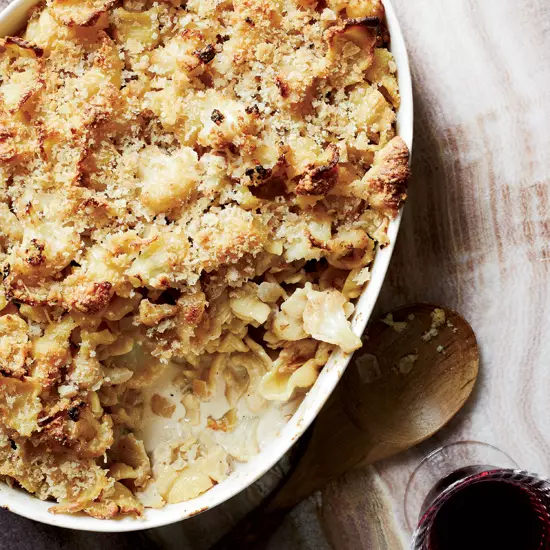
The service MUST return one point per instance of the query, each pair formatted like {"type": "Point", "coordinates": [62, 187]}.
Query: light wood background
{"type": "Point", "coordinates": [476, 233]}
{"type": "Point", "coordinates": [475, 237]}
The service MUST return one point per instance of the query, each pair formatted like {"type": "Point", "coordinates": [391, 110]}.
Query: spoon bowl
{"type": "Point", "coordinates": [417, 368]}
{"type": "Point", "coordinates": [410, 378]}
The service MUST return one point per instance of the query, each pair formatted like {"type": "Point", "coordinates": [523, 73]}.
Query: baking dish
{"type": "Point", "coordinates": [14, 18]}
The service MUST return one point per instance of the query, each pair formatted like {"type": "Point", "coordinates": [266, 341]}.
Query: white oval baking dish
{"type": "Point", "coordinates": [12, 19]}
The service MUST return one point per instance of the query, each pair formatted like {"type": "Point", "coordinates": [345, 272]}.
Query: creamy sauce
{"type": "Point", "coordinates": [253, 431]}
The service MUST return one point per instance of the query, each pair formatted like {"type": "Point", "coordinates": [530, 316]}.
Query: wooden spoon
{"type": "Point", "coordinates": [410, 378]}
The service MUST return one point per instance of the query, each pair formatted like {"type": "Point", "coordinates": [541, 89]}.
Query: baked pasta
{"type": "Point", "coordinates": [191, 198]}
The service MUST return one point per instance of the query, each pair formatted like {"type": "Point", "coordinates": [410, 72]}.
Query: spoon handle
{"type": "Point", "coordinates": [314, 468]}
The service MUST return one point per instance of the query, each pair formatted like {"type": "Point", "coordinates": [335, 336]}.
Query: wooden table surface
{"type": "Point", "coordinates": [475, 237]}
{"type": "Point", "coordinates": [476, 233]}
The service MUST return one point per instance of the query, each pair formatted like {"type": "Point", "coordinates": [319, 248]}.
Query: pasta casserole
{"type": "Point", "coordinates": [192, 194]}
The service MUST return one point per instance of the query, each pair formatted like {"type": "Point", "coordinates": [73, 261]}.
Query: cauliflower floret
{"type": "Point", "coordinates": [363, 8]}
{"type": "Point", "coordinates": [161, 260]}
{"type": "Point", "coordinates": [325, 318]}
{"type": "Point", "coordinates": [224, 121]}
{"type": "Point", "coordinates": [167, 180]}
{"type": "Point", "coordinates": [21, 69]}
{"type": "Point", "coordinates": [371, 112]}
{"type": "Point", "coordinates": [323, 315]}
{"type": "Point", "coordinates": [136, 31]}
{"type": "Point", "coordinates": [302, 153]}
{"type": "Point", "coordinates": [288, 323]}
{"type": "Point", "coordinates": [79, 12]}
{"type": "Point", "coordinates": [41, 255]}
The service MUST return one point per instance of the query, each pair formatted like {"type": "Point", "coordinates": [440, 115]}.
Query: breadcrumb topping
{"type": "Point", "coordinates": [198, 185]}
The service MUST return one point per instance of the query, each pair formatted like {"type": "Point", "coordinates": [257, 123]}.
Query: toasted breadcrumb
{"type": "Point", "coordinates": [438, 320]}
{"type": "Point", "coordinates": [406, 363]}
{"type": "Point", "coordinates": [397, 326]}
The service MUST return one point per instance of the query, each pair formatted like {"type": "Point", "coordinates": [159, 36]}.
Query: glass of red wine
{"type": "Point", "coordinates": [472, 496]}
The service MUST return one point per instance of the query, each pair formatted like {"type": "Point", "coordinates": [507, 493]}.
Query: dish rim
{"type": "Point", "coordinates": [12, 18]}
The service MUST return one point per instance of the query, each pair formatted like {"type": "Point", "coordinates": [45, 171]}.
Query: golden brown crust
{"type": "Point", "coordinates": [24, 44]}
{"type": "Point", "coordinates": [181, 183]}
{"type": "Point", "coordinates": [8, 149]}
{"type": "Point", "coordinates": [365, 8]}
{"type": "Point", "coordinates": [319, 180]}
{"type": "Point", "coordinates": [15, 346]}
{"type": "Point", "coordinates": [19, 57]}
{"type": "Point", "coordinates": [364, 32]}
{"type": "Point", "coordinates": [91, 298]}
{"type": "Point", "coordinates": [385, 184]}
{"type": "Point", "coordinates": [360, 29]}
{"type": "Point", "coordinates": [80, 13]}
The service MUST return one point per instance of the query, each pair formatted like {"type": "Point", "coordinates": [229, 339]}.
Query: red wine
{"type": "Point", "coordinates": [490, 514]}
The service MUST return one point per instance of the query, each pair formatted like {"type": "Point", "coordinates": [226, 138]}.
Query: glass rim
{"type": "Point", "coordinates": [523, 478]}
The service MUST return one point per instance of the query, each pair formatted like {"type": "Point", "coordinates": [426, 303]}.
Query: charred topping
{"type": "Point", "coordinates": [217, 117]}
{"type": "Point", "coordinates": [221, 39]}
{"type": "Point", "coordinates": [372, 21]}
{"type": "Point", "coordinates": [35, 254]}
{"type": "Point", "coordinates": [321, 6]}
{"type": "Point", "coordinates": [206, 55]}
{"type": "Point", "coordinates": [12, 373]}
{"type": "Point", "coordinates": [97, 297]}
{"type": "Point", "coordinates": [274, 187]}
{"type": "Point", "coordinates": [252, 110]}
{"type": "Point", "coordinates": [12, 444]}
{"type": "Point", "coordinates": [259, 174]}
{"type": "Point", "coordinates": [283, 87]}
{"type": "Point", "coordinates": [74, 411]}
{"type": "Point", "coordinates": [263, 172]}
{"type": "Point", "coordinates": [249, 21]}
{"type": "Point", "coordinates": [321, 179]}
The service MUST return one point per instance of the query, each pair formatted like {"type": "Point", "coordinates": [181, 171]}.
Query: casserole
{"type": "Point", "coordinates": [11, 20]}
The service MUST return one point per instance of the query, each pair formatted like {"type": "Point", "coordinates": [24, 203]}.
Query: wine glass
{"type": "Point", "coordinates": [471, 495]}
